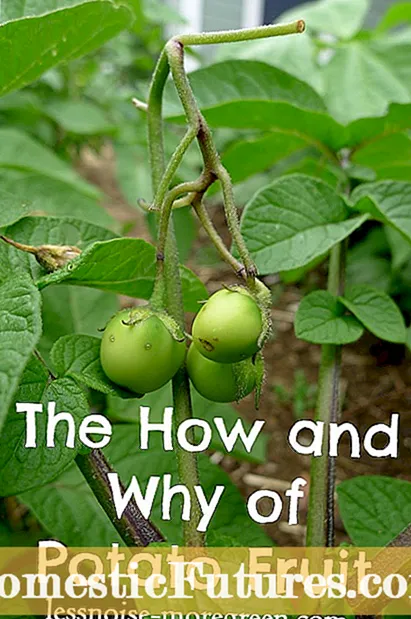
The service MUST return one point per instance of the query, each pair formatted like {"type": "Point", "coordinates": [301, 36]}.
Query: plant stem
{"type": "Point", "coordinates": [22, 246]}
{"type": "Point", "coordinates": [213, 235]}
{"type": "Point", "coordinates": [187, 462]}
{"type": "Point", "coordinates": [245, 34]}
{"type": "Point", "coordinates": [133, 528]}
{"type": "Point", "coordinates": [155, 120]}
{"type": "Point", "coordinates": [320, 521]}
{"type": "Point", "coordinates": [173, 167]}
{"type": "Point", "coordinates": [197, 125]}
{"type": "Point", "coordinates": [212, 163]}
{"type": "Point", "coordinates": [200, 185]}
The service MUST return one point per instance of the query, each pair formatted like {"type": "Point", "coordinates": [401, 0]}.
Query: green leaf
{"type": "Point", "coordinates": [294, 220]}
{"type": "Point", "coordinates": [161, 13]}
{"type": "Point", "coordinates": [398, 13]}
{"type": "Point", "coordinates": [297, 275]}
{"type": "Point", "coordinates": [78, 357]}
{"type": "Point", "coordinates": [69, 309]}
{"type": "Point", "coordinates": [58, 231]}
{"type": "Point", "coordinates": [33, 193]}
{"type": "Point", "coordinates": [408, 338]}
{"type": "Point", "coordinates": [367, 261]}
{"type": "Point", "coordinates": [12, 208]}
{"type": "Point", "coordinates": [185, 230]}
{"type": "Point", "coordinates": [295, 55]}
{"type": "Point", "coordinates": [400, 247]}
{"type": "Point", "coordinates": [254, 155]}
{"type": "Point", "coordinates": [80, 117]}
{"type": "Point", "coordinates": [246, 94]}
{"type": "Point", "coordinates": [387, 201]}
{"type": "Point", "coordinates": [22, 468]}
{"type": "Point", "coordinates": [371, 270]}
{"type": "Point", "coordinates": [354, 71]}
{"type": "Point", "coordinates": [66, 509]}
{"type": "Point", "coordinates": [20, 330]}
{"type": "Point", "coordinates": [388, 155]}
{"type": "Point", "coordinates": [394, 50]}
{"type": "Point", "coordinates": [133, 172]}
{"type": "Point", "coordinates": [65, 309]}
{"type": "Point", "coordinates": [55, 37]}
{"type": "Point", "coordinates": [320, 319]}
{"type": "Point", "coordinates": [396, 119]}
{"type": "Point", "coordinates": [318, 168]}
{"type": "Point", "coordinates": [342, 18]}
{"type": "Point", "coordinates": [45, 230]}
{"type": "Point", "coordinates": [374, 243]}
{"type": "Point", "coordinates": [194, 291]}
{"type": "Point", "coordinates": [21, 152]}
{"type": "Point", "coordinates": [22, 101]}
{"type": "Point", "coordinates": [377, 312]}
{"type": "Point", "coordinates": [31, 388]}
{"type": "Point", "coordinates": [360, 173]}
{"type": "Point", "coordinates": [137, 7]}
{"type": "Point", "coordinates": [127, 411]}
{"type": "Point", "coordinates": [124, 266]}
{"type": "Point", "coordinates": [374, 509]}
{"type": "Point", "coordinates": [15, 9]}
{"type": "Point", "coordinates": [69, 511]}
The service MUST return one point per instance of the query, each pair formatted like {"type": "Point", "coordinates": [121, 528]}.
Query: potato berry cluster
{"type": "Point", "coordinates": [142, 350]}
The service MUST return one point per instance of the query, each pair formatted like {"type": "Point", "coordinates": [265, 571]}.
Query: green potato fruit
{"type": "Point", "coordinates": [141, 357]}
{"type": "Point", "coordinates": [228, 326]}
{"type": "Point", "coordinates": [217, 381]}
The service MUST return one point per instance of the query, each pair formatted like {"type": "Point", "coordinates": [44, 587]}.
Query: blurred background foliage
{"type": "Point", "coordinates": [354, 57]}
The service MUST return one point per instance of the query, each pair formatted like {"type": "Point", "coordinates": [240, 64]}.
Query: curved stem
{"type": "Point", "coordinates": [184, 201]}
{"type": "Point", "coordinates": [215, 238]}
{"type": "Point", "coordinates": [175, 53]}
{"type": "Point", "coordinates": [200, 185]}
{"type": "Point", "coordinates": [233, 222]}
{"type": "Point", "coordinates": [320, 521]}
{"type": "Point", "coordinates": [155, 120]}
{"type": "Point", "coordinates": [133, 528]}
{"type": "Point", "coordinates": [245, 34]}
{"type": "Point", "coordinates": [22, 246]}
{"type": "Point", "coordinates": [172, 167]}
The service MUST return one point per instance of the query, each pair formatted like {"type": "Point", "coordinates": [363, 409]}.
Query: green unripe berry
{"type": "Point", "coordinates": [220, 382]}
{"type": "Point", "coordinates": [228, 326]}
{"type": "Point", "coordinates": [141, 356]}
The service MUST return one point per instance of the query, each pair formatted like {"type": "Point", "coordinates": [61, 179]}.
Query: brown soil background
{"type": "Point", "coordinates": [376, 376]}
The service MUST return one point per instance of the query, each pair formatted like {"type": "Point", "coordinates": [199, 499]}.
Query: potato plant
{"type": "Point", "coordinates": [318, 125]}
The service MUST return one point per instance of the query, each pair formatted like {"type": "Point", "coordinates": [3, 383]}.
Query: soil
{"type": "Point", "coordinates": [376, 377]}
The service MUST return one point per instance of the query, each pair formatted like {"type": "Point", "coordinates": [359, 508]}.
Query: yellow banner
{"type": "Point", "coordinates": [208, 583]}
